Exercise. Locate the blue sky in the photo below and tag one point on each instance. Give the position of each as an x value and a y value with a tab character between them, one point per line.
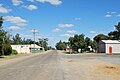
59	19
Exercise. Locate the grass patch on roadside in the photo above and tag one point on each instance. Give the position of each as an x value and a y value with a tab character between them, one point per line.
12	56
66	52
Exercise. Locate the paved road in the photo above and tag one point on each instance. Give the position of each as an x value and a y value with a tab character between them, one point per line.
54	65
40	67
114	59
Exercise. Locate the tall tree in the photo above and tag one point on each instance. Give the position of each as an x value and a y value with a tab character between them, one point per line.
115	35
5	47
17	39
1	22
43	43
2	34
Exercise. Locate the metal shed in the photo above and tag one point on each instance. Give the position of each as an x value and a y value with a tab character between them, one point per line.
109	46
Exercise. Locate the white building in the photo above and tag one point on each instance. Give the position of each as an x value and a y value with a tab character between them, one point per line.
21	48
26	48
109	46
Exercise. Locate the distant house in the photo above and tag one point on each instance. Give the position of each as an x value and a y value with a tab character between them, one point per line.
27	48
109	46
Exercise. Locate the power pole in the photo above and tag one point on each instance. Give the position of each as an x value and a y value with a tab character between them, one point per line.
34	32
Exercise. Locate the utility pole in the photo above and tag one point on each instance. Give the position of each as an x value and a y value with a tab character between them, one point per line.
34	32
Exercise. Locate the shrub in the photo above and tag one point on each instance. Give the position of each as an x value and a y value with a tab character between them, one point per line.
14	52
7	49
0	50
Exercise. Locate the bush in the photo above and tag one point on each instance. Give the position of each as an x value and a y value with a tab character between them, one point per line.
7	49
0	50
14	52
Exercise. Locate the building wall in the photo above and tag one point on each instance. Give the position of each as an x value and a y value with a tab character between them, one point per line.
115	48
102	48
21	48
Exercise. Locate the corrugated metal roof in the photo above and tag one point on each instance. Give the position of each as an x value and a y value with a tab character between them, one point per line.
111	41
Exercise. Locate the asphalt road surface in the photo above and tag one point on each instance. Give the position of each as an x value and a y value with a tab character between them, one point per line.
40	67
55	65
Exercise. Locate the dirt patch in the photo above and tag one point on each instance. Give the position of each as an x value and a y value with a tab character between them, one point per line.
110	69
71	60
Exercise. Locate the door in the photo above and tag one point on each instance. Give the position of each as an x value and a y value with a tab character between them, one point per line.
110	50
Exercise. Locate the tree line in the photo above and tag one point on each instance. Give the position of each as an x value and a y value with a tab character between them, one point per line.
79	41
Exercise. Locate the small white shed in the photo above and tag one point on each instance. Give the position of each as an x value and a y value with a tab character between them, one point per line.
109	46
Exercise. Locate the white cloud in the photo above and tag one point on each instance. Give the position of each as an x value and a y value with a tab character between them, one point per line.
33	30
31	7
15	28
65	25
53	2
17	2
14	19
26	36
118	15
77	19
71	31
67	35
21	24
31	0
108	15
92	32
56	30
111	12
3	9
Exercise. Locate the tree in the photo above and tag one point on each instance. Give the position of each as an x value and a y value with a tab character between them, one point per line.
100	37
17	39
115	35
29	41
88	42
7	49
77	42
94	45
61	45
1	22
43	43
2	36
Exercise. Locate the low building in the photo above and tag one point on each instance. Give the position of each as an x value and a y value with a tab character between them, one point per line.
27	48
35	48
21	48
109	46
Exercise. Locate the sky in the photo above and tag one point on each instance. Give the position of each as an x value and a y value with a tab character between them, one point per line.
59	19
